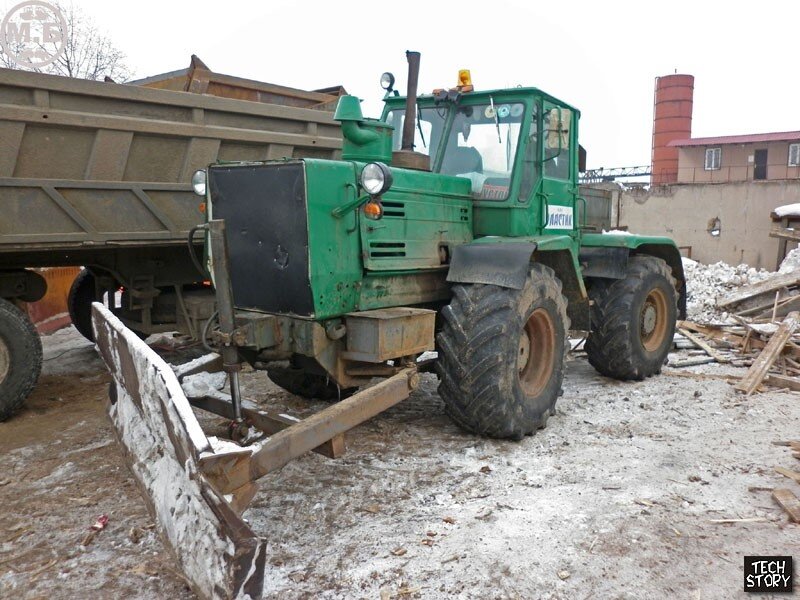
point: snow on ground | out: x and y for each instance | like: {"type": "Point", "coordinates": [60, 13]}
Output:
{"type": "Point", "coordinates": [616, 498]}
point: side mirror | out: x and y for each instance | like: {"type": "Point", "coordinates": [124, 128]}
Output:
{"type": "Point", "coordinates": [581, 159]}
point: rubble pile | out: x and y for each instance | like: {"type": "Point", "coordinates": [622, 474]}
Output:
{"type": "Point", "coordinates": [791, 262]}
{"type": "Point", "coordinates": [705, 282]}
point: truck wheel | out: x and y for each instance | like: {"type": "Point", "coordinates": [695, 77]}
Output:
{"type": "Point", "coordinates": [307, 385]}
{"type": "Point", "coordinates": [20, 358]}
{"type": "Point", "coordinates": [501, 355]}
{"type": "Point", "coordinates": [633, 320]}
{"type": "Point", "coordinates": [79, 303]}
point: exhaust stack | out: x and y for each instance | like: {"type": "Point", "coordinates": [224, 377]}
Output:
{"type": "Point", "coordinates": [406, 157]}
{"type": "Point", "coordinates": [411, 101]}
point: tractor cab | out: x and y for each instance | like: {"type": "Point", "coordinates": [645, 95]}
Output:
{"type": "Point", "coordinates": [517, 147]}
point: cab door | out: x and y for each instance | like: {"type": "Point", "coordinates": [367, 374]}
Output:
{"type": "Point", "coordinates": [558, 191]}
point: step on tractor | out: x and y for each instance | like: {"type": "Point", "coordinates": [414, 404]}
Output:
{"type": "Point", "coordinates": [448, 238]}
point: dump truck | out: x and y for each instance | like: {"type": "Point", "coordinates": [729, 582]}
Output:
{"type": "Point", "coordinates": [444, 239]}
{"type": "Point", "coordinates": [98, 175]}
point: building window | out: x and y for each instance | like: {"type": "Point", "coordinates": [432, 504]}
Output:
{"type": "Point", "coordinates": [713, 157]}
{"type": "Point", "coordinates": [794, 155]}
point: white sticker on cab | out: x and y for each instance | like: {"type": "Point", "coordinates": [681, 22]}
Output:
{"type": "Point", "coordinates": [559, 217]}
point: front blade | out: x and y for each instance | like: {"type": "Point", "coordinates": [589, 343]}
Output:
{"type": "Point", "coordinates": [162, 442]}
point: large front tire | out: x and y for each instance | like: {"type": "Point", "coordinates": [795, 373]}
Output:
{"type": "Point", "coordinates": [20, 358]}
{"type": "Point", "coordinates": [501, 355]}
{"type": "Point", "coordinates": [633, 320]}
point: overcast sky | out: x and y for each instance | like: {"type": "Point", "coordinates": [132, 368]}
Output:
{"type": "Point", "coordinates": [601, 57]}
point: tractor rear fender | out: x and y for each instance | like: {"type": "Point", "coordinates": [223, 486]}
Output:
{"type": "Point", "coordinates": [506, 263]}
{"type": "Point", "coordinates": [606, 256]}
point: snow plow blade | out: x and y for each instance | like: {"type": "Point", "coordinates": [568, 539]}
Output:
{"type": "Point", "coordinates": [163, 445]}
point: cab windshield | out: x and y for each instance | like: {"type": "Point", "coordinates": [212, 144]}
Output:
{"type": "Point", "coordinates": [427, 130]}
{"type": "Point", "coordinates": [482, 145]}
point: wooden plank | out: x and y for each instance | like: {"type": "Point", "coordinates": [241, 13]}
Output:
{"type": "Point", "coordinates": [704, 346]}
{"type": "Point", "coordinates": [691, 362]}
{"type": "Point", "coordinates": [788, 502]}
{"type": "Point", "coordinates": [762, 287]}
{"type": "Point", "coordinates": [793, 475]}
{"type": "Point", "coordinates": [783, 235]}
{"type": "Point", "coordinates": [162, 443]}
{"type": "Point", "coordinates": [764, 361]}
{"type": "Point", "coordinates": [780, 381]}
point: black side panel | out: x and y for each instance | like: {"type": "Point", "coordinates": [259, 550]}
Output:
{"type": "Point", "coordinates": [264, 207]}
{"type": "Point", "coordinates": [610, 263]}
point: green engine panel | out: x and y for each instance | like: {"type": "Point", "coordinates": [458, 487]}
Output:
{"type": "Point", "coordinates": [524, 189]}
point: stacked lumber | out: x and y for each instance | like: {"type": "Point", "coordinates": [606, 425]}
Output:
{"type": "Point", "coordinates": [768, 346]}
{"type": "Point", "coordinates": [770, 351]}
{"type": "Point", "coordinates": [785, 497]}
{"type": "Point", "coordinates": [774, 297]}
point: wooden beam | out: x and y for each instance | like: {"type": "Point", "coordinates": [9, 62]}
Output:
{"type": "Point", "coordinates": [785, 234]}
{"type": "Point", "coordinates": [788, 502]}
{"type": "Point", "coordinates": [793, 475]}
{"type": "Point", "coordinates": [704, 346]}
{"type": "Point", "coordinates": [781, 381]}
{"type": "Point", "coordinates": [762, 287]}
{"type": "Point", "coordinates": [755, 375]}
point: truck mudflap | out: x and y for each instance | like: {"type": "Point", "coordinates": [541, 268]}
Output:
{"type": "Point", "coordinates": [163, 445]}
{"type": "Point", "coordinates": [506, 265]}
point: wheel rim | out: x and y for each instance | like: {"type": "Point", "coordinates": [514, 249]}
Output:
{"type": "Point", "coordinates": [653, 320]}
{"type": "Point", "coordinates": [5, 360]}
{"type": "Point", "coordinates": [537, 345]}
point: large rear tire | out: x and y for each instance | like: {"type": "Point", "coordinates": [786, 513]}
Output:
{"type": "Point", "coordinates": [633, 320]}
{"type": "Point", "coordinates": [20, 358]}
{"type": "Point", "coordinates": [501, 355]}
{"type": "Point", "coordinates": [79, 303]}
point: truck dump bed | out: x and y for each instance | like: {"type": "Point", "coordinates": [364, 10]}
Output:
{"type": "Point", "coordinates": [94, 165]}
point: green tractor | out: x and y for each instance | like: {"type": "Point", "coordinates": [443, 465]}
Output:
{"type": "Point", "coordinates": [452, 223]}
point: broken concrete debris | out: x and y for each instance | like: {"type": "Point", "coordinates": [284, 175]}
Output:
{"type": "Point", "coordinates": [744, 317]}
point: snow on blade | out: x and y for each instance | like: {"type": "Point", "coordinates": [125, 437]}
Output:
{"type": "Point", "coordinates": [162, 442]}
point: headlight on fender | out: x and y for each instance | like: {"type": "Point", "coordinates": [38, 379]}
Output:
{"type": "Point", "coordinates": [376, 178]}
{"type": "Point", "coordinates": [199, 182]}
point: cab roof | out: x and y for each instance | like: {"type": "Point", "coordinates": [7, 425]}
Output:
{"type": "Point", "coordinates": [521, 92]}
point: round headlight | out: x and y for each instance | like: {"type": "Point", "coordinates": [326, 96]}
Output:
{"type": "Point", "coordinates": [387, 81]}
{"type": "Point", "coordinates": [199, 182]}
{"type": "Point", "coordinates": [376, 178]}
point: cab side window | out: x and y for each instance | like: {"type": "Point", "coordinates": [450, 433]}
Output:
{"type": "Point", "coordinates": [557, 152]}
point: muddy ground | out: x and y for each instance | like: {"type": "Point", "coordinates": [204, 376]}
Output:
{"type": "Point", "coordinates": [617, 498]}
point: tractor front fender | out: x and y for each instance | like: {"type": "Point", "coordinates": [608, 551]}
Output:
{"type": "Point", "coordinates": [506, 265]}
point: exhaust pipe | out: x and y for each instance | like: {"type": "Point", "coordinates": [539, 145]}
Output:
{"type": "Point", "coordinates": [411, 100]}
